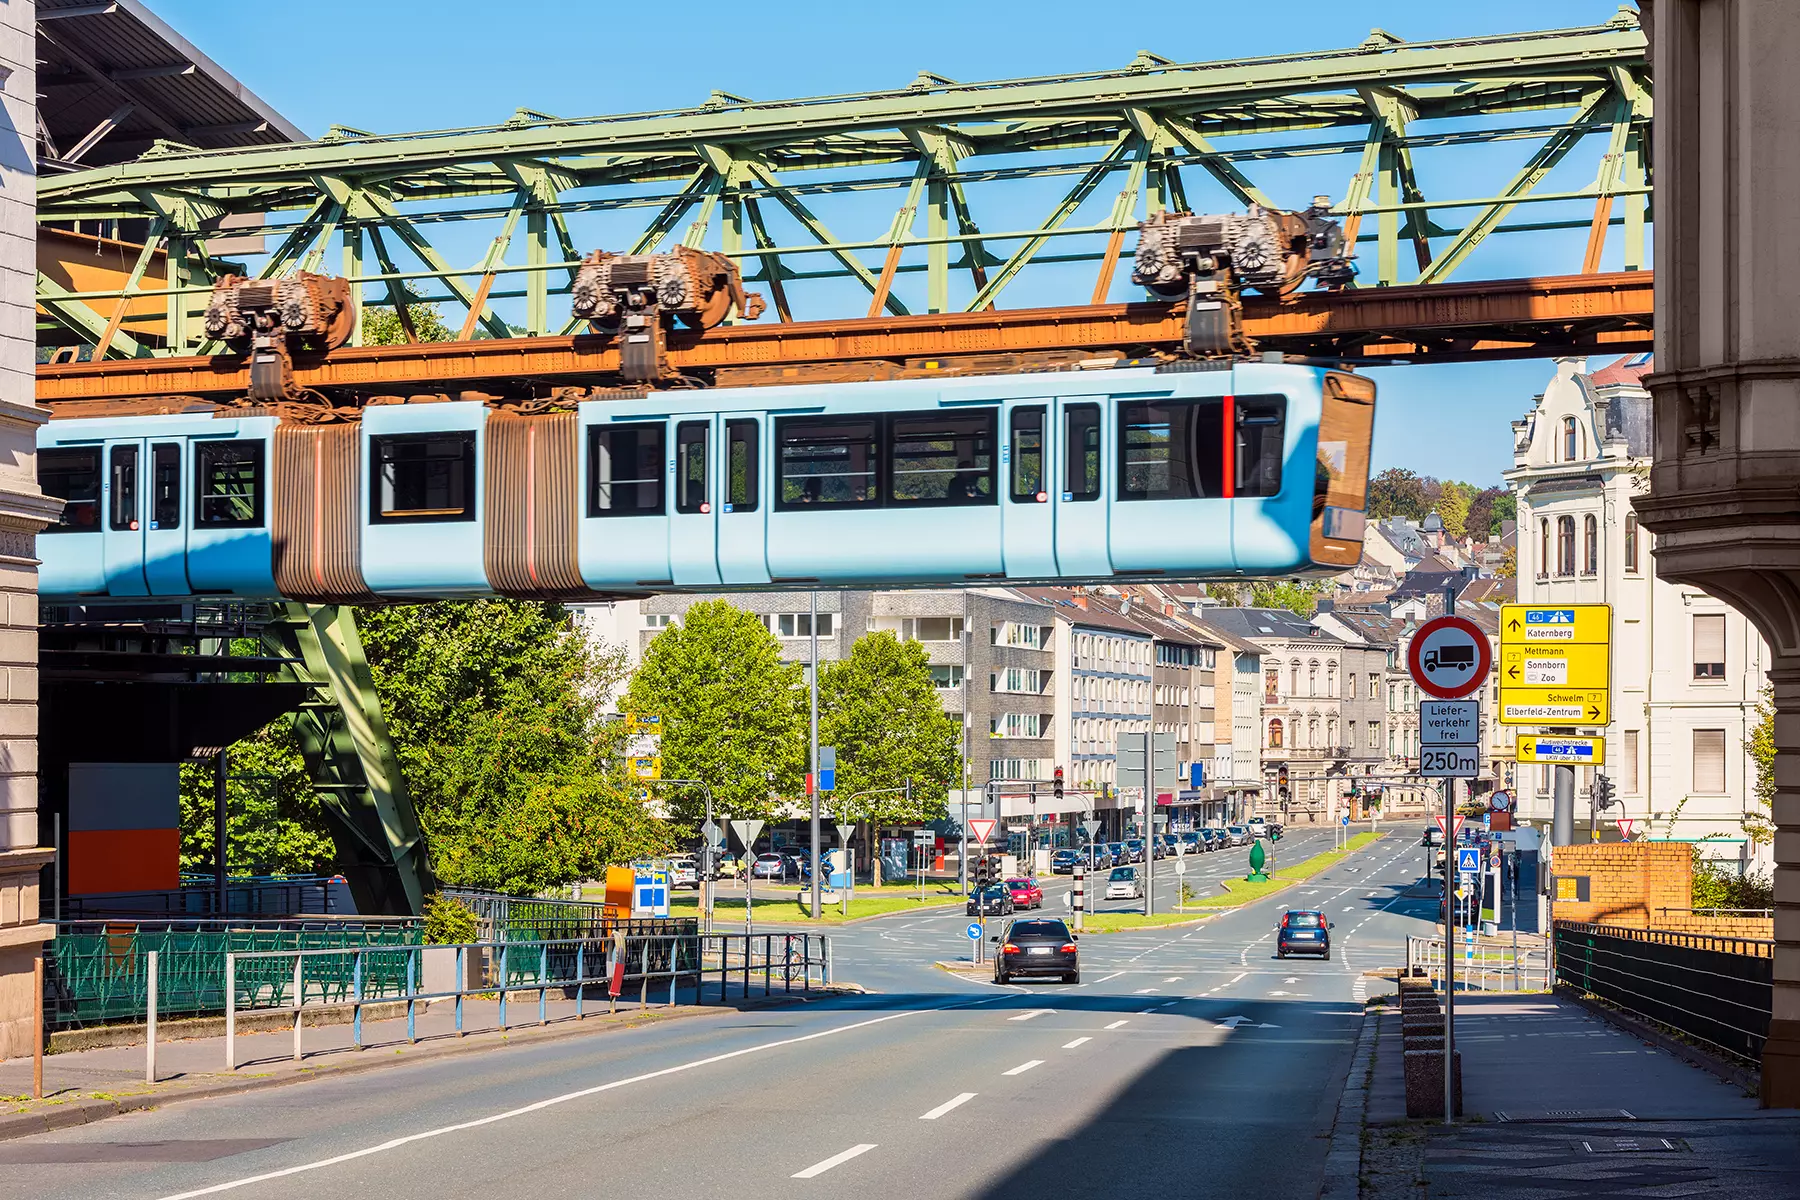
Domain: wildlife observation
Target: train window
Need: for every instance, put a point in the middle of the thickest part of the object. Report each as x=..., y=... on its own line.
x=942, y=458
x=691, y=442
x=228, y=484
x=1028, y=484
x=1260, y=424
x=1081, y=452
x=1172, y=449
x=741, y=444
x=832, y=461
x=422, y=477
x=625, y=465
x=165, y=486
x=122, y=501
x=72, y=474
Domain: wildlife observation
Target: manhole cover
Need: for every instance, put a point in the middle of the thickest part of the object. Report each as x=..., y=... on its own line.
x=1643, y=1145
x=1526, y=1116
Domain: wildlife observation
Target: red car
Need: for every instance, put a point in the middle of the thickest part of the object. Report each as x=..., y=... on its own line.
x=1025, y=893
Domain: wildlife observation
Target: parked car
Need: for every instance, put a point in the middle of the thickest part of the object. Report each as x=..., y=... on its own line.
x=1209, y=839
x=772, y=866
x=1257, y=827
x=1038, y=946
x=1064, y=862
x=1025, y=893
x=993, y=900
x=1124, y=884
x=1240, y=835
x=1099, y=856
x=1134, y=848
x=1303, y=931
x=1192, y=842
x=1167, y=845
x=683, y=873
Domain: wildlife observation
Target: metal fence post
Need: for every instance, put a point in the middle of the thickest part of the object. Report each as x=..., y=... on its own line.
x=412, y=961
x=580, y=978
x=462, y=983
x=150, y=1022
x=827, y=939
x=543, y=982
x=644, y=976
x=356, y=978
x=230, y=1011
x=768, y=961
x=747, y=938
x=299, y=985
x=787, y=962
x=504, y=979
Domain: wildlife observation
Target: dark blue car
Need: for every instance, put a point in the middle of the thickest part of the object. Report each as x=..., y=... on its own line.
x=1303, y=931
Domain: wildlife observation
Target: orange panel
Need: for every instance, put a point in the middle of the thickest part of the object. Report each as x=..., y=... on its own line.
x=621, y=889
x=123, y=860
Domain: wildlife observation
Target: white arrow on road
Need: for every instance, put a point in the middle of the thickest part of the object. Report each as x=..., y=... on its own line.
x=1234, y=1022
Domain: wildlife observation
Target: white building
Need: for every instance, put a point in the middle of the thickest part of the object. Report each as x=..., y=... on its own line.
x=1687, y=671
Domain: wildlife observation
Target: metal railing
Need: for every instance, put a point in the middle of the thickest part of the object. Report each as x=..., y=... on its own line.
x=1721, y=912
x=305, y=983
x=96, y=971
x=267, y=898
x=503, y=918
x=1486, y=967
x=1716, y=989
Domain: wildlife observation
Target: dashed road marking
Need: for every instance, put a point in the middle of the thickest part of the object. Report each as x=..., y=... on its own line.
x=1078, y=1041
x=946, y=1106
x=1024, y=1067
x=1030, y=1013
x=1116, y=1024
x=836, y=1160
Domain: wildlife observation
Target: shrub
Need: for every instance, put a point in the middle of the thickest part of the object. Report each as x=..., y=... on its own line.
x=448, y=923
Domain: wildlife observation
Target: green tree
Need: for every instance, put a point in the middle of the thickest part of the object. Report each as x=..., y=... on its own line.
x=1453, y=509
x=1758, y=820
x=381, y=325
x=879, y=709
x=274, y=824
x=733, y=713
x=1296, y=595
x=1398, y=492
x=1506, y=508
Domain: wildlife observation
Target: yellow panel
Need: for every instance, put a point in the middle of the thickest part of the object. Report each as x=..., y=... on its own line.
x=1555, y=706
x=1556, y=750
x=1545, y=624
x=1576, y=665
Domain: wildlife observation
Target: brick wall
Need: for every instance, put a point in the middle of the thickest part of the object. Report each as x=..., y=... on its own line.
x=1628, y=882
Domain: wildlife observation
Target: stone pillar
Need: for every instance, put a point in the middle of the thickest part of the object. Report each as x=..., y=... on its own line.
x=1724, y=499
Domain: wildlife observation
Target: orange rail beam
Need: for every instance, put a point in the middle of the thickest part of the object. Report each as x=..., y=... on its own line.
x=1565, y=314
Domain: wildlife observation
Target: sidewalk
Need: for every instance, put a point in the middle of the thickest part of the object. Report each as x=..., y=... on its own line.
x=87, y=1085
x=1559, y=1102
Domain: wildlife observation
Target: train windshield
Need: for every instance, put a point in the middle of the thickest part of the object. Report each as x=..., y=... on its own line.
x=1341, y=475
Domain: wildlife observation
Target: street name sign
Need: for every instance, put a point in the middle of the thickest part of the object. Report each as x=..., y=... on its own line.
x=1587, y=751
x=1556, y=666
x=982, y=828
x=1449, y=658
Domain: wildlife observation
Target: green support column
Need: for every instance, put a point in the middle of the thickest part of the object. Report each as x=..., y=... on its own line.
x=537, y=279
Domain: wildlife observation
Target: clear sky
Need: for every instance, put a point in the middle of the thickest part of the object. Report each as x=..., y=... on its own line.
x=397, y=65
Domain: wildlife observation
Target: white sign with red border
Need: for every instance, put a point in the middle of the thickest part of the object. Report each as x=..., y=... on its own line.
x=1453, y=832
x=1625, y=825
x=982, y=828
x=1449, y=658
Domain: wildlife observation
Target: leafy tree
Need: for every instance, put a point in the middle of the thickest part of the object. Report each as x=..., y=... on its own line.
x=273, y=821
x=1229, y=595
x=381, y=325
x=1296, y=595
x=1398, y=492
x=1453, y=509
x=732, y=712
x=1505, y=508
x=1488, y=508
x=1509, y=564
x=1758, y=820
x=879, y=709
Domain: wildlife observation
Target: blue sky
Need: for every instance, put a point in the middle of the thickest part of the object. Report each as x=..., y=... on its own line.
x=396, y=65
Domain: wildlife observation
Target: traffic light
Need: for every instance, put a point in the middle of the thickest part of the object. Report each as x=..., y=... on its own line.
x=1603, y=792
x=1058, y=777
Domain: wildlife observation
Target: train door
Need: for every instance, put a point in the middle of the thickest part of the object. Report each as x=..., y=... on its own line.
x=142, y=527
x=1080, y=498
x=1027, y=460
x=743, y=543
x=693, y=517
x=165, y=530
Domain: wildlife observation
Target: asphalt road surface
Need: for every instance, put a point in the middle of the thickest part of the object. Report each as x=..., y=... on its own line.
x=1189, y=1061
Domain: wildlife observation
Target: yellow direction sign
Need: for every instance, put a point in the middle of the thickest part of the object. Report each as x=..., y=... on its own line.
x=1571, y=750
x=1556, y=666
x=644, y=767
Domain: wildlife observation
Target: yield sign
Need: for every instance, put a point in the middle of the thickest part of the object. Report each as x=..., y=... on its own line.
x=1459, y=824
x=982, y=828
x=1625, y=825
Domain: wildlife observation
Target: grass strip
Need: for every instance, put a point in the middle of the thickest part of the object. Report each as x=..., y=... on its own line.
x=1239, y=892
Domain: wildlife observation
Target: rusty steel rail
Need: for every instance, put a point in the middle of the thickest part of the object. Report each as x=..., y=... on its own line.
x=1565, y=314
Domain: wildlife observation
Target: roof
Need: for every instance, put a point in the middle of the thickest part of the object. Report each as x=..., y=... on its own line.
x=1226, y=638
x=113, y=79
x=1144, y=616
x=1491, y=588
x=1630, y=369
x=1257, y=623
x=1376, y=628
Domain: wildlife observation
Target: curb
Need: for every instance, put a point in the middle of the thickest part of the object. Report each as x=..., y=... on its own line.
x=1731, y=1073
x=1343, y=1161
x=60, y=1114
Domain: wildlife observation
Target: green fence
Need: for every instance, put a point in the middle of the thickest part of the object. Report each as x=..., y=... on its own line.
x=96, y=971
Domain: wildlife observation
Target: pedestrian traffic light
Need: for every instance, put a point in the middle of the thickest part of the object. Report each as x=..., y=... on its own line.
x=1603, y=792
x=1058, y=784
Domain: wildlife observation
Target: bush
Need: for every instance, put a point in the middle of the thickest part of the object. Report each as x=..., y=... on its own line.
x=448, y=923
x=1718, y=886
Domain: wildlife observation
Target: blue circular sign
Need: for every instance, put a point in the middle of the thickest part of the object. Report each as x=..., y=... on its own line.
x=974, y=931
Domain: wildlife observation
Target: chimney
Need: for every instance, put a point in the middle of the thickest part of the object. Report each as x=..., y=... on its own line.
x=1325, y=604
x=1080, y=599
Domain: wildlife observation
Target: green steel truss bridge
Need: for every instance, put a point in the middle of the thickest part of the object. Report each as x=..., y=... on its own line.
x=937, y=197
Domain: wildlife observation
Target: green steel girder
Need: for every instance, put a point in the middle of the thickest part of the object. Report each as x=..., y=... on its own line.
x=701, y=176
x=350, y=757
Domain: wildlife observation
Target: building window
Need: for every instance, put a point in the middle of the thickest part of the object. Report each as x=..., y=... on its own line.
x=1709, y=645
x=1374, y=688
x=658, y=620
x=1709, y=762
x=1628, y=764
x=1312, y=731
x=1631, y=544
x=946, y=678
x=1312, y=677
x=1565, y=545
x=1294, y=678
x=1019, y=725
x=1590, y=545
x=1374, y=735
x=1331, y=733
x=1350, y=687
x=1571, y=439
x=1390, y=741
x=1543, y=563
x=1331, y=679
x=1272, y=685
x=1276, y=734
x=928, y=629
x=799, y=625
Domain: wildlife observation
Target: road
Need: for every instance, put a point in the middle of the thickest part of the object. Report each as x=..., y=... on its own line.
x=1186, y=1054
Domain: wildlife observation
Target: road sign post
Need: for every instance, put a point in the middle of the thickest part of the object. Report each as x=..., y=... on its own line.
x=746, y=832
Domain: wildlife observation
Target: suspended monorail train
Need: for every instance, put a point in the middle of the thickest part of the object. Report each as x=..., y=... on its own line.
x=1178, y=471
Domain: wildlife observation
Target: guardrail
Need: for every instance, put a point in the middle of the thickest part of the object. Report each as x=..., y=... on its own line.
x=1713, y=988
x=308, y=982
x=1489, y=968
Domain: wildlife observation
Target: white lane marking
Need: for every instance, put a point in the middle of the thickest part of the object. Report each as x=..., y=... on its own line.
x=1243, y=976
x=1114, y=975
x=946, y=1106
x=1030, y=1013
x=1172, y=979
x=1144, y=1012
x=553, y=1101
x=1024, y=1067
x=1116, y=1024
x=1144, y=991
x=836, y=1160
x=1075, y=1043
x=1167, y=1003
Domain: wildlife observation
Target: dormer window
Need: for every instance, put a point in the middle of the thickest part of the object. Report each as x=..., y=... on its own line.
x=1571, y=439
